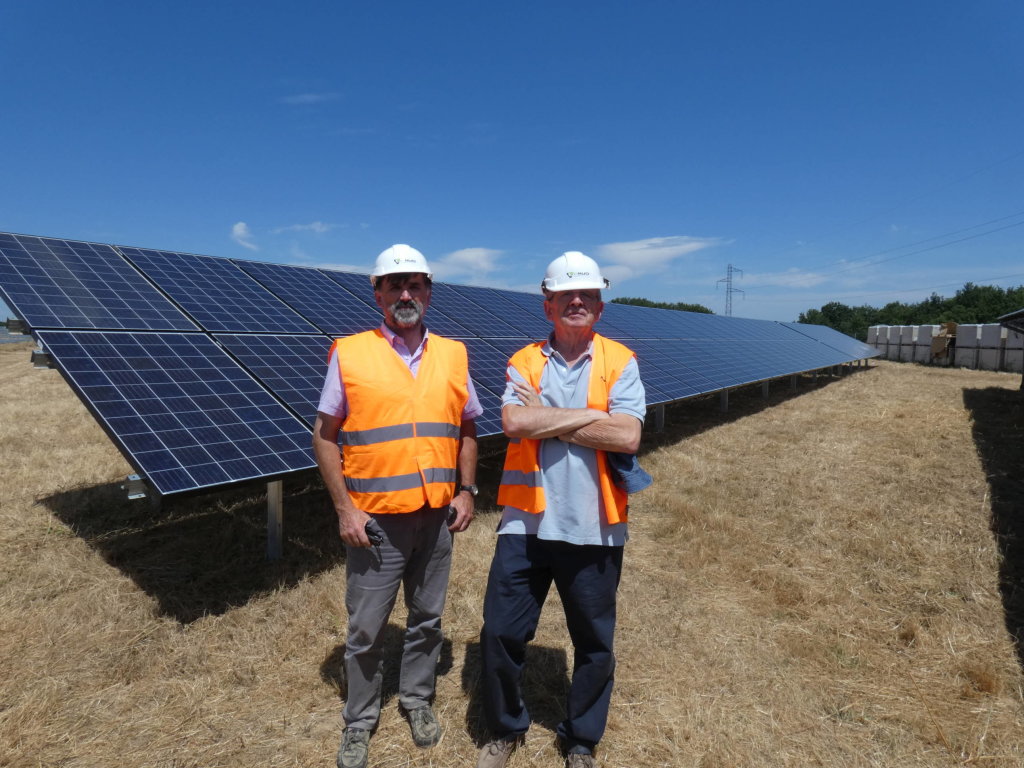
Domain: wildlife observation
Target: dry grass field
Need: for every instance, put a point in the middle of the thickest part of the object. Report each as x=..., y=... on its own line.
x=831, y=577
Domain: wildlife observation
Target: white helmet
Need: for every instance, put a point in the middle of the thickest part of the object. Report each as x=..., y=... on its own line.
x=573, y=271
x=397, y=259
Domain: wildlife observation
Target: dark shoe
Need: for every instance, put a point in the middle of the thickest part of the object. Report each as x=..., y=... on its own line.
x=580, y=760
x=496, y=753
x=426, y=731
x=354, y=749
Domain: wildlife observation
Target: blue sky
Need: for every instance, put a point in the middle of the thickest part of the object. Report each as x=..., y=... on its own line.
x=831, y=151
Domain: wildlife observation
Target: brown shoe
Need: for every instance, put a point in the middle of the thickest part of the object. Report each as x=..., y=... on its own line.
x=576, y=760
x=496, y=753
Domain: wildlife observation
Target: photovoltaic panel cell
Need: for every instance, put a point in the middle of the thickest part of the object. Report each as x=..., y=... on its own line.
x=665, y=377
x=474, y=319
x=53, y=283
x=219, y=295
x=486, y=365
x=292, y=367
x=530, y=321
x=183, y=412
x=316, y=297
x=847, y=345
x=356, y=283
x=488, y=360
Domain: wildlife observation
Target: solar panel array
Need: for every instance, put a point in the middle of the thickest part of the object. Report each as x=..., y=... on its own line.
x=207, y=371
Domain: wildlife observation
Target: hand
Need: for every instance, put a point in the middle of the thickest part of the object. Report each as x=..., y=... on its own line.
x=352, y=527
x=527, y=395
x=462, y=505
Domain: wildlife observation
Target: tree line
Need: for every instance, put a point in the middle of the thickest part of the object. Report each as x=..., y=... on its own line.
x=682, y=306
x=971, y=304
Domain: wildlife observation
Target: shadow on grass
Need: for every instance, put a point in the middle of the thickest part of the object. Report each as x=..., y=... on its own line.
x=204, y=554
x=998, y=424
x=545, y=687
x=332, y=669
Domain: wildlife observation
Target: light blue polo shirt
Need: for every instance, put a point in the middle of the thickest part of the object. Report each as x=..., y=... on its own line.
x=575, y=510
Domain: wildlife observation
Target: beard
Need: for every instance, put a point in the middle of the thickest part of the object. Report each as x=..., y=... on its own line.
x=406, y=314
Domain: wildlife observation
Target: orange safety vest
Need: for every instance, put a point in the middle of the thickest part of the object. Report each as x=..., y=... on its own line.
x=400, y=440
x=521, y=485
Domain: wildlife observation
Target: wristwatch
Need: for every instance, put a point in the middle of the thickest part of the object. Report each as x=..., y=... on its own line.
x=473, y=490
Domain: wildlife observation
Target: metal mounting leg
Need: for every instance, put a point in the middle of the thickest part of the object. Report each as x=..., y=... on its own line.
x=723, y=400
x=275, y=518
x=659, y=418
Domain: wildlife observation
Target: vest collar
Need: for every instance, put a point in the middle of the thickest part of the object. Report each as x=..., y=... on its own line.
x=548, y=350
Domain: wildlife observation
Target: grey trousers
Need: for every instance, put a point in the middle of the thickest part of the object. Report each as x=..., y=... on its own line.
x=416, y=554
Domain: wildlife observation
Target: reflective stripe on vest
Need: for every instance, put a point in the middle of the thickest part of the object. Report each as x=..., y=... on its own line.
x=398, y=432
x=401, y=436
x=521, y=484
x=398, y=482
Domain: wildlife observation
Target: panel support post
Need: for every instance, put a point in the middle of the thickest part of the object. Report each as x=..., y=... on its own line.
x=792, y=382
x=275, y=518
x=723, y=400
x=659, y=418
x=765, y=386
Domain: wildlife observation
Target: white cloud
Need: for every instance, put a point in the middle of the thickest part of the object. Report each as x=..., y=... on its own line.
x=241, y=234
x=317, y=227
x=310, y=98
x=472, y=265
x=651, y=255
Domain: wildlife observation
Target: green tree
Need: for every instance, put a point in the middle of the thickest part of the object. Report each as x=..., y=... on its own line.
x=971, y=304
x=681, y=306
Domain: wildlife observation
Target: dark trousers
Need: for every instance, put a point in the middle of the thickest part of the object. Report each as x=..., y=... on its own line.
x=587, y=578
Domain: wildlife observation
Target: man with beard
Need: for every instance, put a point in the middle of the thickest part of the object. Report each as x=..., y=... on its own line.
x=403, y=405
x=571, y=404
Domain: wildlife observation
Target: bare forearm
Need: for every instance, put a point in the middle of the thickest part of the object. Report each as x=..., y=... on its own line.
x=467, y=453
x=328, y=459
x=351, y=519
x=619, y=432
x=538, y=422
x=463, y=503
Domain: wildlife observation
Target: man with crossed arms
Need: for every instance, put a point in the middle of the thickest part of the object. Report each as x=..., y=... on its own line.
x=569, y=401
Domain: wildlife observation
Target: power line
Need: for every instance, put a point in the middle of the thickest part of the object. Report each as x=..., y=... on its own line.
x=907, y=201
x=931, y=248
x=928, y=240
x=929, y=288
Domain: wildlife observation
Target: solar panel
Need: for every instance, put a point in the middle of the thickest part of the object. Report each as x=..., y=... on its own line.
x=197, y=410
x=215, y=292
x=474, y=319
x=530, y=321
x=316, y=297
x=856, y=350
x=292, y=367
x=667, y=378
x=53, y=283
x=356, y=283
x=184, y=413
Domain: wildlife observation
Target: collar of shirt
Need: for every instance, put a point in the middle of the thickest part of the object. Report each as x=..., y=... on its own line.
x=398, y=343
x=548, y=351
